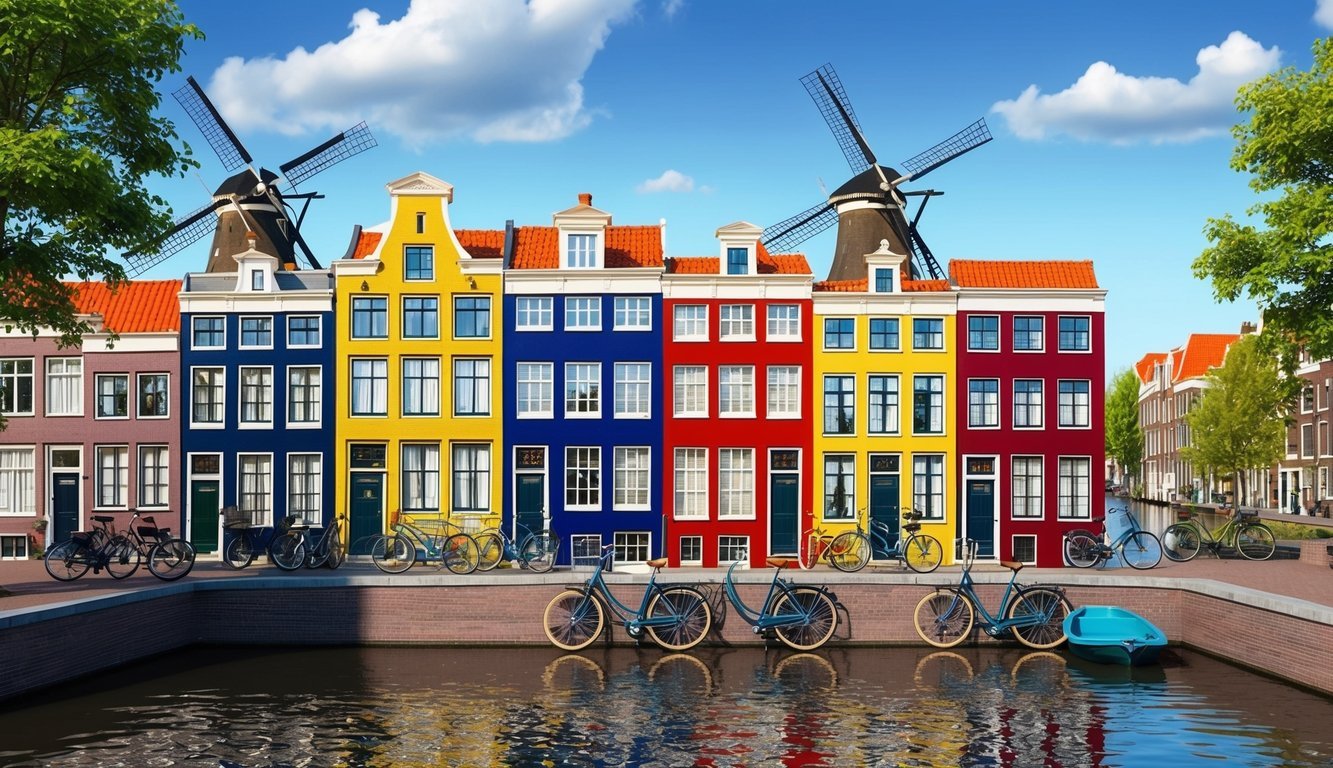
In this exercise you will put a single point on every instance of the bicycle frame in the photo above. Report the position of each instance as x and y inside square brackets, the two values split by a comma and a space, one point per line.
[995, 625]
[761, 620]
[633, 621]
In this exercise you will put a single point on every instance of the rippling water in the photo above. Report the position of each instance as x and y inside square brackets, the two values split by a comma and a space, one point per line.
[718, 707]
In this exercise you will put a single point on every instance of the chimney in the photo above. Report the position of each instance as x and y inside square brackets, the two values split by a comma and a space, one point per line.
[585, 198]
[1246, 327]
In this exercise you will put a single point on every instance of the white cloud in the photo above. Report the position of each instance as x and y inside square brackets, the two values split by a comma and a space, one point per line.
[502, 70]
[669, 181]
[1323, 13]
[671, 7]
[1108, 105]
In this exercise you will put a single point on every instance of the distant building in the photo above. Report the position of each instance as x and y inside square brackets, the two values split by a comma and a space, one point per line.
[1302, 475]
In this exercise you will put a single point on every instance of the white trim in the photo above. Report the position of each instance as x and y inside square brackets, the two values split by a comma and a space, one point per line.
[453, 317]
[287, 398]
[999, 405]
[1042, 499]
[402, 317]
[97, 396]
[303, 301]
[757, 287]
[137, 402]
[1014, 537]
[240, 331]
[823, 335]
[996, 504]
[1061, 351]
[189, 404]
[647, 469]
[999, 334]
[618, 280]
[707, 486]
[241, 423]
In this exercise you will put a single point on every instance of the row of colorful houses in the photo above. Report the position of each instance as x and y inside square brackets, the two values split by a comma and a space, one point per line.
[571, 377]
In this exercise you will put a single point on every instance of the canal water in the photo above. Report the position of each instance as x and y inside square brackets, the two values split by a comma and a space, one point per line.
[625, 706]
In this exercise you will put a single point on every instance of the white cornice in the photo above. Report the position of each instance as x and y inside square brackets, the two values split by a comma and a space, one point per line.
[843, 303]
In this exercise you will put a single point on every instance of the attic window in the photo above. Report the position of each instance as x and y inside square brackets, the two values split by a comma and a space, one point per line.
[421, 223]
[256, 279]
[883, 280]
[582, 252]
[738, 261]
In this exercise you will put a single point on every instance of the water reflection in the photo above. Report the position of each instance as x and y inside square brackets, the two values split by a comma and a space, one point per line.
[720, 707]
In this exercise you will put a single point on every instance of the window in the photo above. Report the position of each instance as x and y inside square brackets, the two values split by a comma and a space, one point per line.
[304, 485]
[883, 280]
[839, 486]
[583, 478]
[472, 477]
[839, 405]
[581, 252]
[883, 405]
[256, 395]
[1027, 485]
[927, 333]
[1074, 336]
[1075, 493]
[1307, 441]
[784, 322]
[64, 386]
[689, 392]
[1028, 334]
[472, 387]
[585, 549]
[256, 487]
[928, 485]
[631, 485]
[154, 476]
[532, 313]
[732, 549]
[1027, 403]
[472, 317]
[303, 332]
[370, 387]
[784, 392]
[113, 396]
[421, 224]
[1307, 398]
[304, 396]
[634, 384]
[928, 405]
[983, 333]
[735, 390]
[736, 322]
[690, 323]
[1075, 410]
[839, 333]
[735, 482]
[983, 403]
[583, 313]
[256, 279]
[691, 550]
[884, 334]
[113, 476]
[153, 395]
[535, 393]
[631, 547]
[208, 333]
[370, 317]
[17, 481]
[583, 390]
[421, 386]
[14, 547]
[738, 261]
[421, 317]
[421, 478]
[633, 313]
[16, 387]
[257, 332]
[208, 400]
[1025, 549]
[418, 262]
[691, 471]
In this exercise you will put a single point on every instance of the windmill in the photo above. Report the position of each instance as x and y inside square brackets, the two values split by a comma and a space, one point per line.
[250, 200]
[869, 207]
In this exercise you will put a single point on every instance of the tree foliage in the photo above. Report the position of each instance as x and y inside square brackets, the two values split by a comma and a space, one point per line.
[78, 138]
[1124, 437]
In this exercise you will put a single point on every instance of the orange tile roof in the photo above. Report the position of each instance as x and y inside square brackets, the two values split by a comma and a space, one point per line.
[693, 265]
[482, 243]
[136, 306]
[1201, 352]
[766, 264]
[366, 244]
[925, 286]
[969, 273]
[863, 285]
[627, 246]
[1144, 366]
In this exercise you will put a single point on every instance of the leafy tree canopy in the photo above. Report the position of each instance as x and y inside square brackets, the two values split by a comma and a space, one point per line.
[1124, 437]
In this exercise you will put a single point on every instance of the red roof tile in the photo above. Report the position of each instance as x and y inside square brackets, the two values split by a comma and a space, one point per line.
[967, 273]
[482, 243]
[1144, 366]
[366, 244]
[1201, 352]
[766, 264]
[693, 265]
[925, 286]
[136, 306]
[626, 247]
[863, 285]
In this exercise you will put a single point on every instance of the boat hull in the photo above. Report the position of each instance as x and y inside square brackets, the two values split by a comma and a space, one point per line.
[1111, 635]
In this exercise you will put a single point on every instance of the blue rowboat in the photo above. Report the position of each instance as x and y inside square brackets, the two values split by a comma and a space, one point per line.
[1107, 634]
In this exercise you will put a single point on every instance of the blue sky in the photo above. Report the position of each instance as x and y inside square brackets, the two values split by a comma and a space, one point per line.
[1110, 120]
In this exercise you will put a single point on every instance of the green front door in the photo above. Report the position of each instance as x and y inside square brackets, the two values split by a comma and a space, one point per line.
[783, 500]
[884, 505]
[529, 507]
[367, 508]
[65, 504]
[204, 515]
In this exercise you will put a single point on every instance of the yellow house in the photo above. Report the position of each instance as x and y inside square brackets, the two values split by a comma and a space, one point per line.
[418, 356]
[885, 418]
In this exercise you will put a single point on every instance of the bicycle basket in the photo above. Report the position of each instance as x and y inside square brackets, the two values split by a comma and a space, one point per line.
[235, 518]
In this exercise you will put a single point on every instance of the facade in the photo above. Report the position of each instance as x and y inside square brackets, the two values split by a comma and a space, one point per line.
[93, 429]
[1302, 482]
[583, 413]
[736, 458]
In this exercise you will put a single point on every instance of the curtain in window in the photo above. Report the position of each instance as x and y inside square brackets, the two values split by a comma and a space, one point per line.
[16, 482]
[421, 477]
[472, 485]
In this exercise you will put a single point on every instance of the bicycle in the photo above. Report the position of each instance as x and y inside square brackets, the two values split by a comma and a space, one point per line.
[1138, 548]
[919, 551]
[675, 616]
[802, 616]
[397, 551]
[98, 549]
[1242, 532]
[536, 552]
[245, 543]
[295, 548]
[169, 558]
[1034, 615]
[829, 547]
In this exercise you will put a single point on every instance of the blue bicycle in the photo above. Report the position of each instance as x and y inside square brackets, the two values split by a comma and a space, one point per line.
[1138, 548]
[802, 616]
[536, 551]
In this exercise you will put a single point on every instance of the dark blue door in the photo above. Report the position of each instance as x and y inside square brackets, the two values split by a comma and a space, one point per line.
[981, 515]
[65, 504]
[367, 507]
[884, 507]
[783, 500]
[529, 507]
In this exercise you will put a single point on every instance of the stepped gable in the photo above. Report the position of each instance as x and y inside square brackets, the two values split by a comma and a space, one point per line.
[975, 273]
[135, 306]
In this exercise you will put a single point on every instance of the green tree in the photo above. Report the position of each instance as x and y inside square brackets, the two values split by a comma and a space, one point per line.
[1239, 423]
[1124, 437]
[1287, 267]
[78, 139]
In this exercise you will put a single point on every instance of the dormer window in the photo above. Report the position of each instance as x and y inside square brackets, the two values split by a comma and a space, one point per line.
[581, 252]
[256, 279]
[883, 280]
[738, 261]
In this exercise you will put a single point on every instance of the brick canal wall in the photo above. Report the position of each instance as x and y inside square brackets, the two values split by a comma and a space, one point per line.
[39, 647]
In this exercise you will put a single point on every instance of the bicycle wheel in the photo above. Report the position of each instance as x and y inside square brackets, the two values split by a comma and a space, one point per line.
[572, 620]
[317, 554]
[460, 553]
[337, 552]
[1141, 550]
[1180, 542]
[288, 551]
[171, 559]
[123, 557]
[65, 561]
[1255, 541]
[689, 608]
[490, 550]
[821, 618]
[1081, 548]
[922, 553]
[239, 552]
[808, 556]
[849, 551]
[1050, 609]
[944, 619]
[392, 554]
[538, 552]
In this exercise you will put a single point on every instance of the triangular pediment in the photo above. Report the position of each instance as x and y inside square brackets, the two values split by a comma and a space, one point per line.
[740, 230]
[421, 183]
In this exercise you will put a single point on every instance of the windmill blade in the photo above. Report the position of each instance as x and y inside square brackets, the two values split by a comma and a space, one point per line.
[211, 124]
[791, 232]
[960, 143]
[352, 141]
[280, 202]
[185, 232]
[922, 256]
[826, 89]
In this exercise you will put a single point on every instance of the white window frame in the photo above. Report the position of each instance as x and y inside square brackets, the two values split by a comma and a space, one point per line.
[1071, 512]
[999, 333]
[18, 481]
[943, 491]
[735, 322]
[632, 478]
[627, 551]
[1013, 335]
[735, 484]
[480, 382]
[259, 423]
[583, 458]
[314, 386]
[1037, 499]
[543, 384]
[220, 405]
[993, 407]
[375, 364]
[1074, 406]
[72, 385]
[641, 386]
[528, 309]
[586, 311]
[1040, 405]
[161, 471]
[689, 322]
[784, 329]
[240, 331]
[419, 477]
[1074, 350]
[194, 331]
[121, 468]
[690, 484]
[573, 385]
[311, 480]
[139, 394]
[318, 331]
[784, 392]
[471, 471]
[636, 308]
[489, 314]
[732, 543]
[97, 396]
[696, 543]
[260, 516]
[734, 396]
[424, 335]
[689, 387]
[895, 427]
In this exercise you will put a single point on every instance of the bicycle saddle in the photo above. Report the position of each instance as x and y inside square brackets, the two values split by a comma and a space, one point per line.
[912, 527]
[781, 562]
[1011, 565]
[657, 563]
[103, 518]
